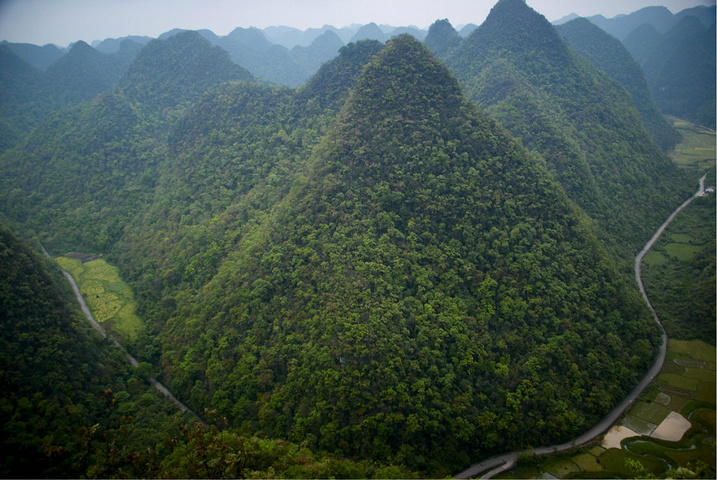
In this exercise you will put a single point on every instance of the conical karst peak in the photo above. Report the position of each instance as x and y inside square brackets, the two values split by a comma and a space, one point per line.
[406, 79]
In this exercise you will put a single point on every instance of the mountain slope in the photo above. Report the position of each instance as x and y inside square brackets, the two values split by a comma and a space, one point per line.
[322, 49]
[416, 293]
[583, 123]
[608, 54]
[38, 57]
[621, 26]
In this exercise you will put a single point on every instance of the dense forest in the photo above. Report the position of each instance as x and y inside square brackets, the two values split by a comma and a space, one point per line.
[396, 268]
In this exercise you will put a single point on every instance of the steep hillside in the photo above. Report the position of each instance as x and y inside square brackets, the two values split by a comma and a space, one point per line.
[621, 26]
[82, 74]
[583, 123]
[322, 49]
[416, 295]
[368, 264]
[249, 48]
[659, 18]
[230, 160]
[608, 54]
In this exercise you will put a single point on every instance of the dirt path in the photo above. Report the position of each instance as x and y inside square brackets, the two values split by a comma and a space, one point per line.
[498, 464]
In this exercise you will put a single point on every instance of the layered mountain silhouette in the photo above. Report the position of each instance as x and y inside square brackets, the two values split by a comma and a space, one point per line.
[679, 66]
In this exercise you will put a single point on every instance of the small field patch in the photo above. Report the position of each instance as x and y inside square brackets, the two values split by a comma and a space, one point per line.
[652, 412]
[679, 381]
[672, 428]
[654, 258]
[109, 298]
[640, 426]
[680, 346]
[561, 468]
[682, 251]
[702, 351]
[616, 435]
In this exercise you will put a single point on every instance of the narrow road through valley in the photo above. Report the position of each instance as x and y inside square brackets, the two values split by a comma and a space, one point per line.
[97, 326]
[500, 463]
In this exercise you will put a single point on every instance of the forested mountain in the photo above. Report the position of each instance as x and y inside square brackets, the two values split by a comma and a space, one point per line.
[82, 74]
[621, 26]
[679, 66]
[178, 70]
[19, 87]
[422, 239]
[611, 56]
[583, 123]
[370, 31]
[28, 95]
[72, 408]
[113, 45]
[322, 49]
[367, 265]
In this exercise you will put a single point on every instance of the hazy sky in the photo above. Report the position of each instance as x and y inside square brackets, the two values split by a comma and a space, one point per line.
[64, 21]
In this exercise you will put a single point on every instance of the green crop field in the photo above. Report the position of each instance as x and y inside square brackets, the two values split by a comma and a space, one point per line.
[109, 298]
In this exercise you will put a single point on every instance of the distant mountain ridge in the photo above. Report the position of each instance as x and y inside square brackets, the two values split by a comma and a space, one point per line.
[610, 55]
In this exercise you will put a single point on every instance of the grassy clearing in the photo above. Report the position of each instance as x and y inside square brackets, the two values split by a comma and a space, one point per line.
[654, 258]
[697, 149]
[679, 347]
[561, 468]
[681, 238]
[109, 298]
[677, 381]
[700, 374]
[587, 462]
[682, 251]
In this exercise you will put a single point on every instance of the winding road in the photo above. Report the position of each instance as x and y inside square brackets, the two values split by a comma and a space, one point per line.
[132, 361]
[498, 464]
